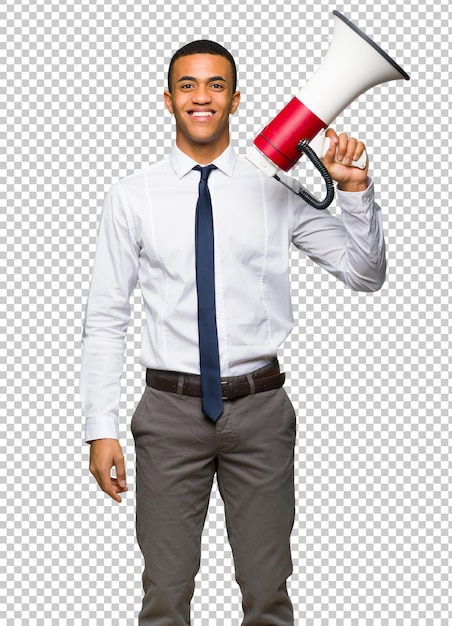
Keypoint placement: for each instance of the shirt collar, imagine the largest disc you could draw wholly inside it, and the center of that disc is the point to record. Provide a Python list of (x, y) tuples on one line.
[(182, 163)]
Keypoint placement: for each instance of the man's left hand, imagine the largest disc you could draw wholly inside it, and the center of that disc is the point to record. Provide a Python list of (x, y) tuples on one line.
[(345, 150)]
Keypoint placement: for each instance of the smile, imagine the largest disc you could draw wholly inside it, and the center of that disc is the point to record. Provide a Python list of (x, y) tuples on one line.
[(201, 114)]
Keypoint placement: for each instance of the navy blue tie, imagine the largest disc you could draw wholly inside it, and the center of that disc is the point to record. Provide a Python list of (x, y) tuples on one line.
[(211, 396)]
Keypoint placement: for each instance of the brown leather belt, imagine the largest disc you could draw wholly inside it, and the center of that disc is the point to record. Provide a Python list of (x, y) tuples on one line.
[(263, 379)]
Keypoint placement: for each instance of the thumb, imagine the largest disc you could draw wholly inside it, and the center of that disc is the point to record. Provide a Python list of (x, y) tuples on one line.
[(120, 471)]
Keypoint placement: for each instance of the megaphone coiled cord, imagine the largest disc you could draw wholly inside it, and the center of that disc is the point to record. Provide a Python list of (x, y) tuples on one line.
[(304, 147)]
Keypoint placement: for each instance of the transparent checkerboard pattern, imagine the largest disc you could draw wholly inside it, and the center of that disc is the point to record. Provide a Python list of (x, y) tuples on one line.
[(81, 107)]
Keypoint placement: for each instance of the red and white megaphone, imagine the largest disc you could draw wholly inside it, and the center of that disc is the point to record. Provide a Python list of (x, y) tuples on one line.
[(353, 64)]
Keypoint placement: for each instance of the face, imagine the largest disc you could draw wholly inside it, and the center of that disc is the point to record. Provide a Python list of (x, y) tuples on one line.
[(201, 100)]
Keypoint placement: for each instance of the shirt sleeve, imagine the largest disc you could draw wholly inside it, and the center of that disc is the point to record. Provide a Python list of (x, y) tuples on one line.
[(114, 277), (352, 247)]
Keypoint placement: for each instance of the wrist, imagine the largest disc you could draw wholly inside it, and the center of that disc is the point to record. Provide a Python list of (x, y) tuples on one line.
[(352, 187)]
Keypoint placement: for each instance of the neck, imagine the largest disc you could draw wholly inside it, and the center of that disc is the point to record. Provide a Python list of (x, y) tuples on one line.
[(203, 154)]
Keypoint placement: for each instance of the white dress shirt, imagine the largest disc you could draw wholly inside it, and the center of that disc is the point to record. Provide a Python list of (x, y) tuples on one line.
[(146, 235)]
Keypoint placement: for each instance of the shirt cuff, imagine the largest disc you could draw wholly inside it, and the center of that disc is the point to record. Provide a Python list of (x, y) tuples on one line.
[(356, 201), (101, 428)]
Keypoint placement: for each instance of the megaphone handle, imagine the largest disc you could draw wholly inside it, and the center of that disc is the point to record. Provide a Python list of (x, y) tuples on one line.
[(320, 144)]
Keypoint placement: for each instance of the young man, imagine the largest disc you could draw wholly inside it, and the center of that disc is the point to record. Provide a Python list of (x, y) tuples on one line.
[(147, 234)]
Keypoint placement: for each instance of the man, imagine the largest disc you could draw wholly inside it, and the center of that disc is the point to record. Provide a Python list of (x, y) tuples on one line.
[(147, 234)]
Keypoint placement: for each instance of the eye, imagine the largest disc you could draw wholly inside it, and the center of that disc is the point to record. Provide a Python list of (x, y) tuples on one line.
[(186, 86), (217, 86)]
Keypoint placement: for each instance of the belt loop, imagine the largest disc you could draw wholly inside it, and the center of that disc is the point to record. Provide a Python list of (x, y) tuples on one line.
[(250, 380), (180, 384)]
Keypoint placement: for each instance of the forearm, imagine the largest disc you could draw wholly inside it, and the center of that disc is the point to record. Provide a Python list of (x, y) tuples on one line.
[(365, 257), (351, 248), (100, 386)]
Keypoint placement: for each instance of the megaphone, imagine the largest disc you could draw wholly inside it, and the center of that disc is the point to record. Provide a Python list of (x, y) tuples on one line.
[(353, 64)]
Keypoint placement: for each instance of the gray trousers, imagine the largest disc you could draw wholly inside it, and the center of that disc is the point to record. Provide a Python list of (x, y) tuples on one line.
[(178, 452)]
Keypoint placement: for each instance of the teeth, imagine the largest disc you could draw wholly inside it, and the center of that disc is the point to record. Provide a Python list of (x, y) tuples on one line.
[(201, 113)]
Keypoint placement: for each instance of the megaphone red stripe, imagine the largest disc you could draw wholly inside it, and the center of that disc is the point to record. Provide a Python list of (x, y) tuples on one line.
[(278, 141)]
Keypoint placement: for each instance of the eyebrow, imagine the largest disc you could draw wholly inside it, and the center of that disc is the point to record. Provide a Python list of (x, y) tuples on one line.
[(209, 80)]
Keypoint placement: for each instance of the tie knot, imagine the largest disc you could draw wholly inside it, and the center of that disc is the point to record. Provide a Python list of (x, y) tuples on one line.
[(205, 171)]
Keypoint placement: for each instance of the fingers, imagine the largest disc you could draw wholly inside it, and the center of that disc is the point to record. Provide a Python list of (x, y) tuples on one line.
[(348, 149), (114, 489), (339, 158), (109, 485), (330, 154), (105, 454)]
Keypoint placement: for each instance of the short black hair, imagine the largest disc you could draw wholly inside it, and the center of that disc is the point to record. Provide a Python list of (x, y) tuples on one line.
[(203, 46)]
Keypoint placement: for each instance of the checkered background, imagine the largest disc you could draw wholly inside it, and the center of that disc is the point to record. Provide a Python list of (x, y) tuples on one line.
[(81, 107)]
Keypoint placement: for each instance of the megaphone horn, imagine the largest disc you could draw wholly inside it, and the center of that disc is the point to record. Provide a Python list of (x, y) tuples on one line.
[(353, 64)]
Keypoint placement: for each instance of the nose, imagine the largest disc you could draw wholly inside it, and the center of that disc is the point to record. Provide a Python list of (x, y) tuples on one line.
[(201, 95)]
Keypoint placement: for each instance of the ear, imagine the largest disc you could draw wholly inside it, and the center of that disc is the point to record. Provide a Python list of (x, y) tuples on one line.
[(235, 102), (168, 101)]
